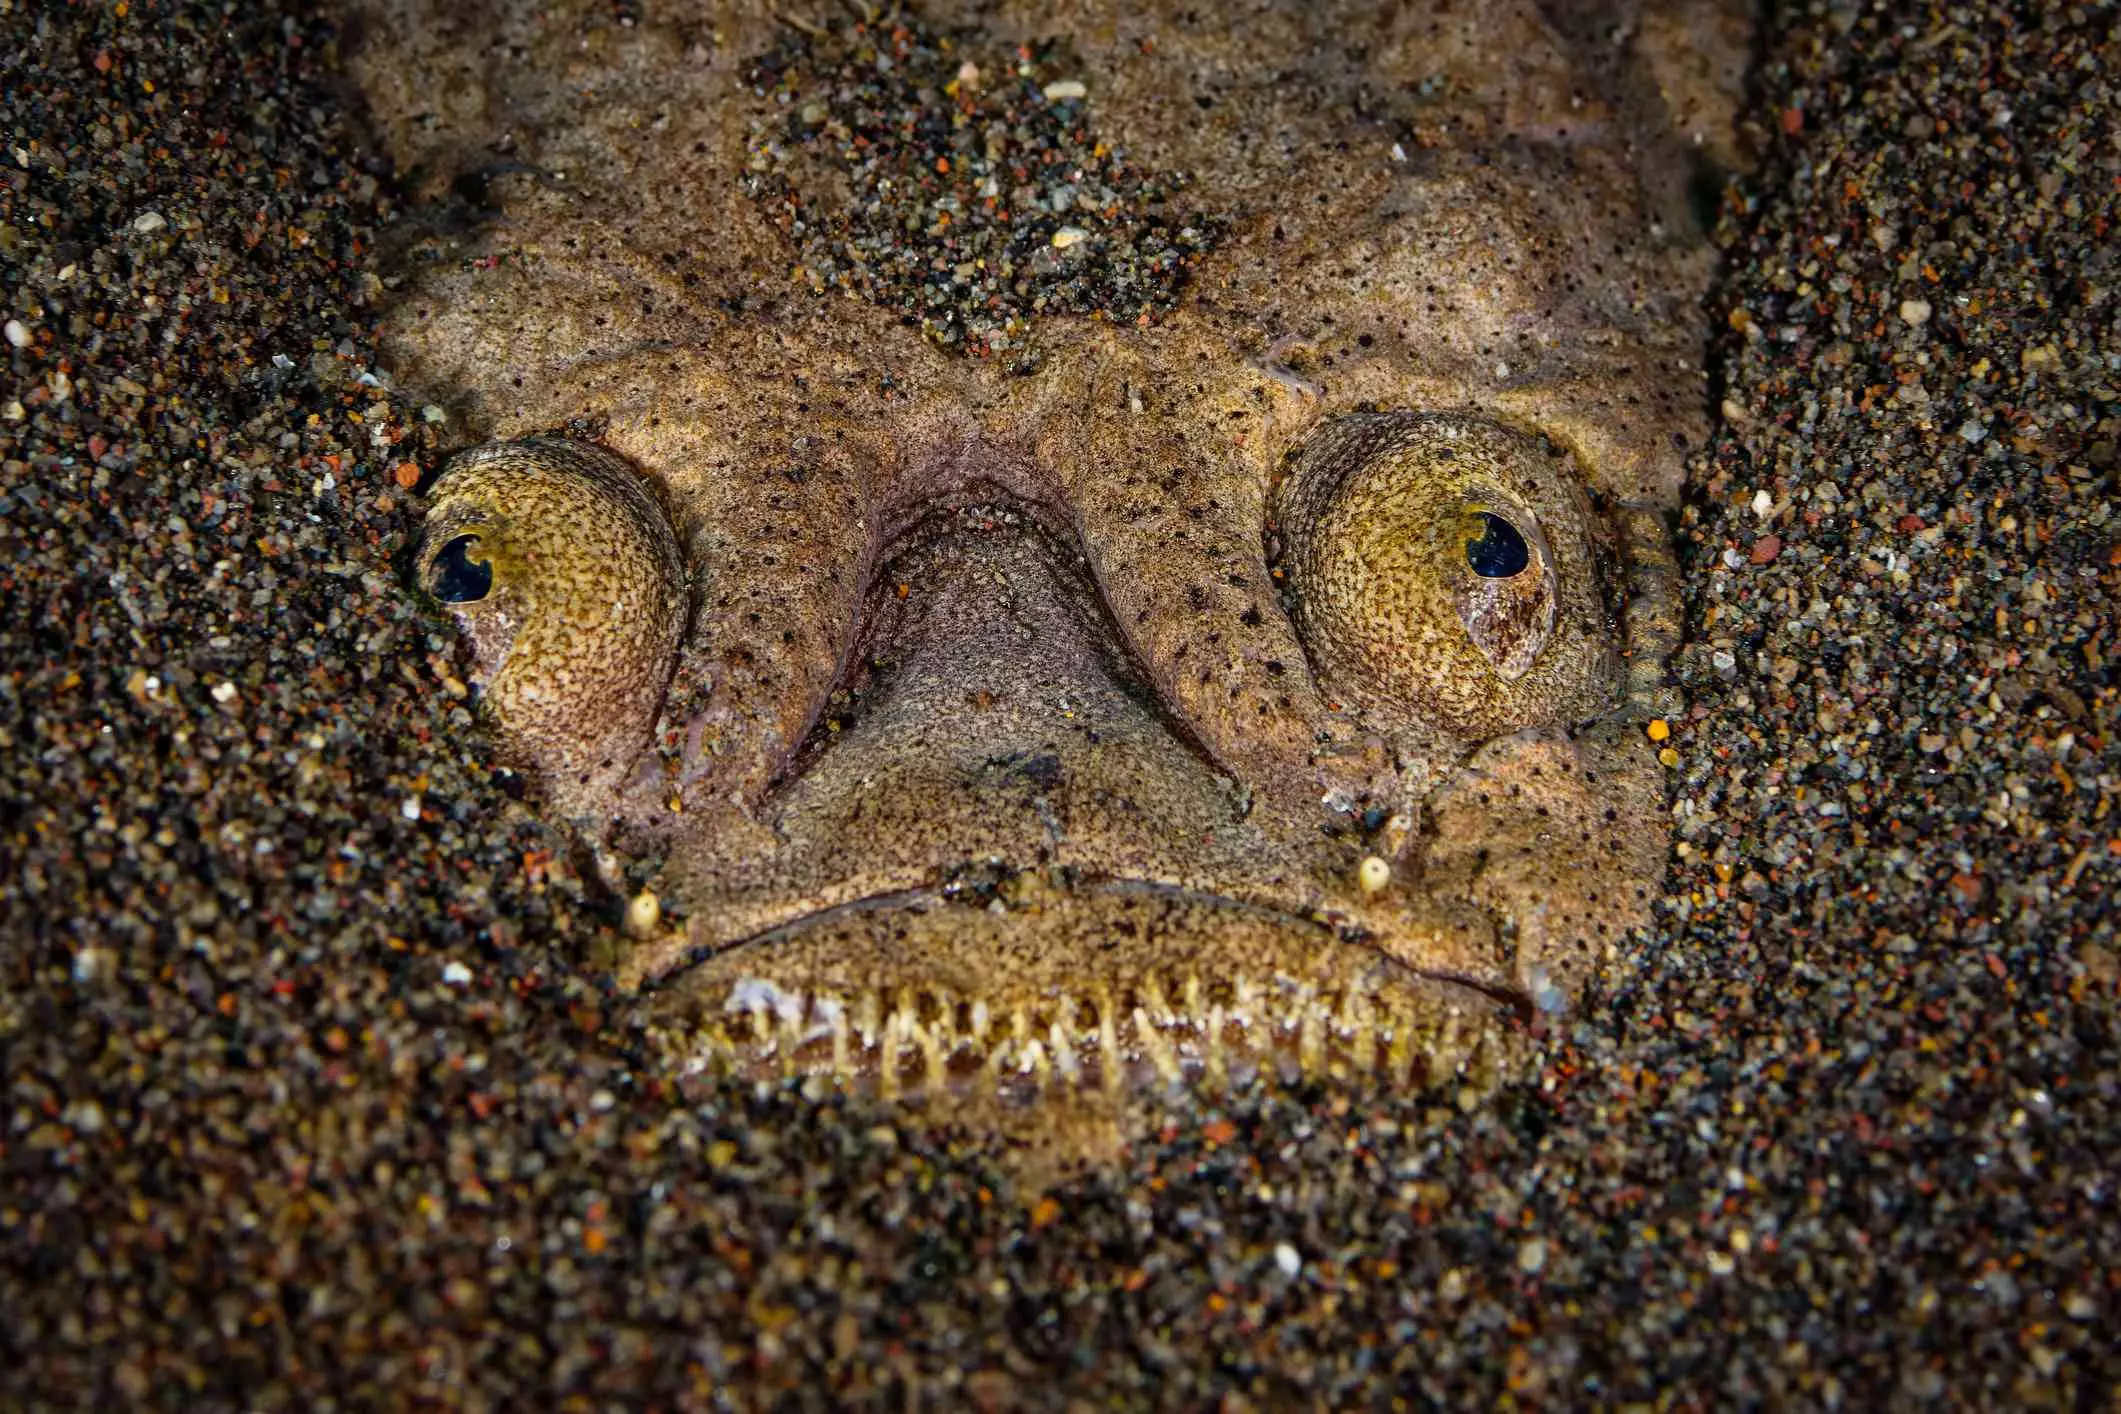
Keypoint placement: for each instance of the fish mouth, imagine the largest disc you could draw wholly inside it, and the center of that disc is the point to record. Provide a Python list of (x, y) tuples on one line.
[(1110, 987)]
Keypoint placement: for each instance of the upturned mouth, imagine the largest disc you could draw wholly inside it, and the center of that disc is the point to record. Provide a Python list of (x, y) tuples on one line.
[(1104, 987)]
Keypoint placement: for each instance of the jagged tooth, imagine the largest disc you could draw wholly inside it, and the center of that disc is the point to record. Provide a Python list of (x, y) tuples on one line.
[(946, 1020), (887, 1057), (1310, 1034), (868, 1021), (1019, 1041), (1152, 995), (789, 1037), (1214, 1050), (912, 1029), (1331, 1059), (1157, 1047), (1111, 1063), (1489, 1051), (1239, 1012), (1400, 1057), (933, 1057), (981, 1019), (840, 1039), (1362, 1021), (1064, 1050), (1034, 1058), (1196, 1003), (992, 1046)]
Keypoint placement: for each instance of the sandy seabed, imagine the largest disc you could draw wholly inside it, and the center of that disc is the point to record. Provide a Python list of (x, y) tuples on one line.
[(307, 1108)]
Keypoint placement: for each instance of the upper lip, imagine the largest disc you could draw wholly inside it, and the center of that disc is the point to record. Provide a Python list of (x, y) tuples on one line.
[(759, 944)]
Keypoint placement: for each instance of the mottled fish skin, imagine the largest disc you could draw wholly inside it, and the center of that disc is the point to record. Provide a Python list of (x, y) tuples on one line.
[(1070, 562)]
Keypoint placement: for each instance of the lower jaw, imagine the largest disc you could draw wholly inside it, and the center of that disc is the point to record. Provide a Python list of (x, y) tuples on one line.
[(1117, 990)]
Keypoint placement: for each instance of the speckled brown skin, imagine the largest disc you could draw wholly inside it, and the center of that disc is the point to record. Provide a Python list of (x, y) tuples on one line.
[(1100, 797)]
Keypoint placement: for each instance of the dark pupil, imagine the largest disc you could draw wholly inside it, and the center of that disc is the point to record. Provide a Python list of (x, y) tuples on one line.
[(459, 579), (1500, 551)]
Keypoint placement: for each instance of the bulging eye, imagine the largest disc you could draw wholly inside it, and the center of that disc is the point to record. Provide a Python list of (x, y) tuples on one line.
[(459, 578), (1440, 571), (564, 573)]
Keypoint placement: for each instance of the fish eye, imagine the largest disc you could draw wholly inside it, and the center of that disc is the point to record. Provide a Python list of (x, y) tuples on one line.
[(1439, 568), (458, 578), (1499, 550), (564, 577)]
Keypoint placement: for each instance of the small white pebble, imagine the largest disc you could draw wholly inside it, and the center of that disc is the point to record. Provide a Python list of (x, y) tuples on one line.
[(1915, 311), (1373, 874), (1065, 88), (1287, 1258), (1069, 235), (224, 693), (1972, 432), (410, 808), (643, 912), (18, 333), (968, 74), (1763, 504), (148, 222), (456, 974), (1720, 1262), (1399, 154), (1532, 1256)]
